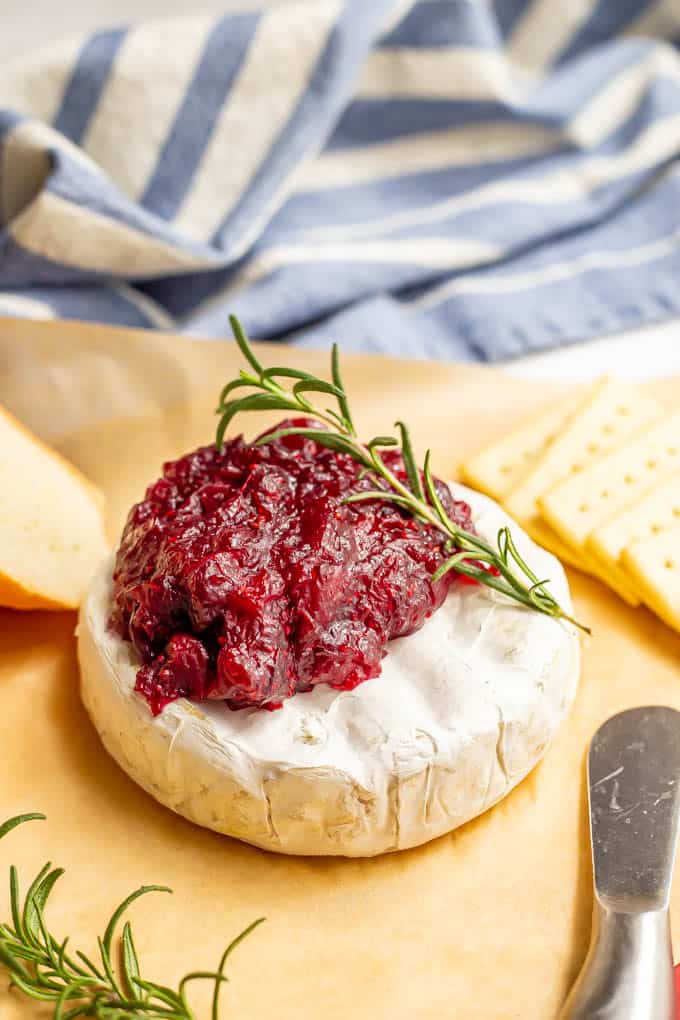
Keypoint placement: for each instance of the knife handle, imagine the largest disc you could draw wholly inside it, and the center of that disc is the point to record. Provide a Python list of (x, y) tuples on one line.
[(628, 972)]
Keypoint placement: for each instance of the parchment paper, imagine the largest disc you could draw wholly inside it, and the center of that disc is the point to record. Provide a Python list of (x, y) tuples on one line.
[(489, 922)]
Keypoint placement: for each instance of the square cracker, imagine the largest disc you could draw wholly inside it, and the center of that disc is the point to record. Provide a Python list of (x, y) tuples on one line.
[(654, 565), (495, 469), (579, 505), (610, 413), (656, 512)]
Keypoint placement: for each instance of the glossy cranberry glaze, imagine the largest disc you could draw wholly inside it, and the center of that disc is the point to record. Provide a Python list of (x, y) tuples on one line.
[(243, 576)]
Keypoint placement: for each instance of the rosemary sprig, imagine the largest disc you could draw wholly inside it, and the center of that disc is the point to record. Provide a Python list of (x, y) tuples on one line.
[(41, 967), (510, 574)]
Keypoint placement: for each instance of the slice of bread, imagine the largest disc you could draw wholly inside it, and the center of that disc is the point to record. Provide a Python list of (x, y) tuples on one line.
[(52, 534)]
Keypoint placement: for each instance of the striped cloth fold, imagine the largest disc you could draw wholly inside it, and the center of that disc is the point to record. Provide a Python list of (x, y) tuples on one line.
[(444, 178)]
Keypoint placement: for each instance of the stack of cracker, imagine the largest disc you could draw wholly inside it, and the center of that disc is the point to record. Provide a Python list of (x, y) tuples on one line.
[(596, 479)]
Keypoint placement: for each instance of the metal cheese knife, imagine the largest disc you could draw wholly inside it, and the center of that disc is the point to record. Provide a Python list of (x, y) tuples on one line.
[(634, 798)]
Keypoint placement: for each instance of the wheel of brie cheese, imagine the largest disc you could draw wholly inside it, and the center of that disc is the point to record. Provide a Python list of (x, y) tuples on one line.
[(461, 711)]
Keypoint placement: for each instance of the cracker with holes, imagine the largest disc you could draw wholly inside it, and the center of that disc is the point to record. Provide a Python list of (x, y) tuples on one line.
[(578, 506), (654, 564), (496, 469), (655, 513), (610, 413)]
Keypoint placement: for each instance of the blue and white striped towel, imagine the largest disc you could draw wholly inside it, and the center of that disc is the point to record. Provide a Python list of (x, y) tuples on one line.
[(445, 178)]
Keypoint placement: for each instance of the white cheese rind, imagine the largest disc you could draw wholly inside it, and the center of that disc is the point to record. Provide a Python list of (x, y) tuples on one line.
[(462, 711)]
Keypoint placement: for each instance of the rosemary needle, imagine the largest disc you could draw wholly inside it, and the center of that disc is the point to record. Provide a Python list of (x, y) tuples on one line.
[(510, 574), (43, 968)]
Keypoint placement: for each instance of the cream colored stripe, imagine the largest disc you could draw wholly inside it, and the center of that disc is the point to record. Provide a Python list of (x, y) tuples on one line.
[(618, 100), (396, 14), (35, 133), (544, 29), (145, 88), (84, 239), (280, 59), (511, 283), (455, 73), (661, 21), (26, 163), (25, 168), (654, 145), (435, 252), (476, 143), (24, 307), (34, 85)]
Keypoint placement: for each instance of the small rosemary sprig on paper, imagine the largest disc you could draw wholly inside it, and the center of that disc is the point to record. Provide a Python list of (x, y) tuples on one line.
[(41, 967), (510, 574)]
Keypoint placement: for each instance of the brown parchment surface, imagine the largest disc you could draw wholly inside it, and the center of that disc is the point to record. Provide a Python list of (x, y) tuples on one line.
[(489, 923)]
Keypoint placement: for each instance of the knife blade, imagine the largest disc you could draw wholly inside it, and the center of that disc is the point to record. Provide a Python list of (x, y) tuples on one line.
[(634, 800)]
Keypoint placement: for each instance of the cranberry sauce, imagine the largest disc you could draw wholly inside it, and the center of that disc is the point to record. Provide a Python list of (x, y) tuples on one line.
[(243, 576)]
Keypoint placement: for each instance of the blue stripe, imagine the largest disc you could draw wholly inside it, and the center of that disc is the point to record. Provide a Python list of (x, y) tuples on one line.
[(511, 223), (438, 23), (8, 121), (650, 213), (551, 103), (606, 21), (87, 81), (310, 291), (370, 121), (660, 100), (414, 335), (313, 119), (504, 223), (181, 153), (86, 303), (72, 181), (488, 327), (180, 295), (295, 296), (20, 268), (563, 93), (360, 203), (508, 13), (593, 303)]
